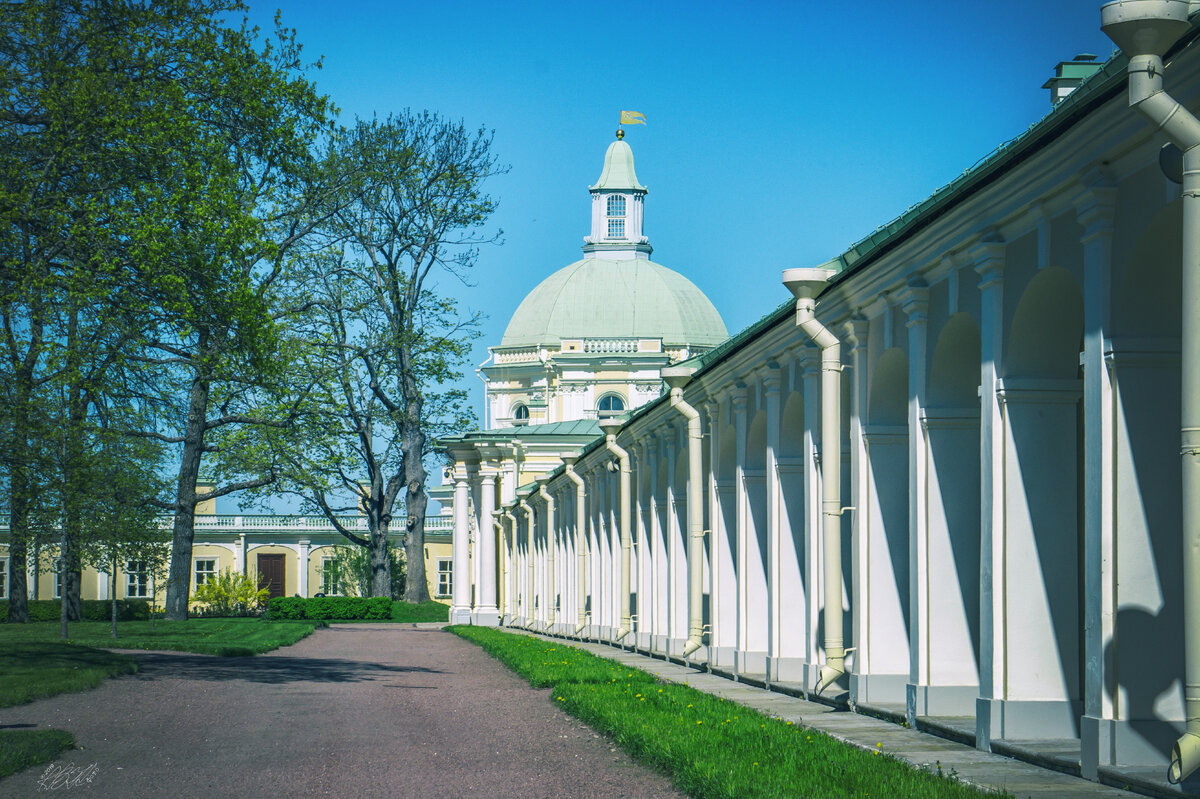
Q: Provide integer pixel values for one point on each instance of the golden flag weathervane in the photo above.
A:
(633, 118)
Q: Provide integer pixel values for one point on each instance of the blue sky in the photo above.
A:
(777, 135)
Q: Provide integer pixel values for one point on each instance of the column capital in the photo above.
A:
(740, 396)
(1096, 204)
(914, 301)
(770, 377)
(988, 258)
(856, 329)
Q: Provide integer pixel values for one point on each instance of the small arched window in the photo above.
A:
(616, 216)
(610, 405)
(520, 413)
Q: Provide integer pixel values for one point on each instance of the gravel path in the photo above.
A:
(351, 711)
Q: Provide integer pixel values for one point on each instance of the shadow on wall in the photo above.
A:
(1139, 630)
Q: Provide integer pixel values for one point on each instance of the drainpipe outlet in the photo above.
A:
(805, 285)
(611, 427)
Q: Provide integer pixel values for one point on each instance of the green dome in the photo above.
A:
(631, 298)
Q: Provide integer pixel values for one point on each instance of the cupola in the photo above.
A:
(617, 203)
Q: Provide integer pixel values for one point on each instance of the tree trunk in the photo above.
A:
(72, 463)
(381, 565)
(64, 557)
(179, 579)
(113, 591)
(416, 588)
(21, 497)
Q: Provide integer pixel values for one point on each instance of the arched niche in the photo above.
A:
(1047, 328)
(888, 403)
(954, 369)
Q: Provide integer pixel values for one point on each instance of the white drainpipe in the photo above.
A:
(805, 284)
(499, 525)
(677, 377)
(512, 586)
(610, 427)
(1145, 30)
(551, 608)
(580, 544)
(530, 589)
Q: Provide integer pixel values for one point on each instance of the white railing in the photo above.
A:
(252, 523)
(610, 345)
(517, 356)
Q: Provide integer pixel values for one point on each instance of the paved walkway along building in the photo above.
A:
(943, 478)
(366, 710)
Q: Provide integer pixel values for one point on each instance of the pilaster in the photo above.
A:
(989, 258)
(915, 303)
(1095, 209)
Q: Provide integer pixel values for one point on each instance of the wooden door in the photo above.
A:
(270, 574)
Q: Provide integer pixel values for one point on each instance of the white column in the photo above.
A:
(777, 615)
(860, 495)
(460, 611)
(740, 411)
(915, 303)
(302, 567)
(486, 610)
(1097, 730)
(989, 258)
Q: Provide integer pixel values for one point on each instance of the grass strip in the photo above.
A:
(420, 612)
(21, 749)
(38, 669)
(228, 637)
(710, 747)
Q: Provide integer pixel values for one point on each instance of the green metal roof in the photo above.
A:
(577, 429)
(598, 298)
(618, 171)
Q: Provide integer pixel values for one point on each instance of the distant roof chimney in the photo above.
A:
(1068, 75)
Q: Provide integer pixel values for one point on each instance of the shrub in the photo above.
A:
(93, 610)
(231, 594)
(331, 607)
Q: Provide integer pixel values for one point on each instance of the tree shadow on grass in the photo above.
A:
(274, 670)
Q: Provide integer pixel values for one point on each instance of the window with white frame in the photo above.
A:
(137, 579)
(330, 582)
(206, 569)
(3, 578)
(445, 577)
(616, 216)
(610, 405)
(520, 413)
(58, 578)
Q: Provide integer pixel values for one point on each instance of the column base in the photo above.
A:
(460, 615)
(722, 657)
(940, 700)
(1142, 743)
(751, 663)
(996, 719)
(486, 617)
(878, 689)
(786, 669)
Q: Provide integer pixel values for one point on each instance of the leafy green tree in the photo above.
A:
(150, 173)
(232, 594)
(386, 343)
(350, 568)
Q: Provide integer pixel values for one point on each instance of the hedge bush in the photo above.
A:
(330, 607)
(93, 610)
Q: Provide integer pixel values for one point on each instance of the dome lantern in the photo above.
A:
(617, 203)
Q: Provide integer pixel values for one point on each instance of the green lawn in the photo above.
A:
(20, 749)
(709, 747)
(234, 637)
(34, 669)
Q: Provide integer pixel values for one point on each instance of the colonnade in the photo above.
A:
(1010, 479)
